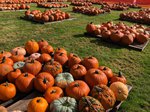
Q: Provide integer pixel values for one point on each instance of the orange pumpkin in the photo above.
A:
(5, 54)
(12, 76)
(61, 58)
(119, 78)
(53, 93)
(5, 60)
(73, 60)
(47, 49)
(44, 58)
(90, 28)
(17, 57)
(60, 50)
(42, 43)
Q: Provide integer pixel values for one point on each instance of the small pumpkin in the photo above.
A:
(78, 71)
(53, 67)
(53, 93)
(44, 58)
(31, 47)
(105, 95)
(47, 49)
(19, 50)
(142, 38)
(116, 36)
(106, 34)
(18, 65)
(120, 90)
(12, 76)
(32, 66)
(119, 78)
(90, 62)
(90, 28)
(90, 104)
(77, 89)
(7, 91)
(64, 104)
(17, 57)
(95, 77)
(42, 43)
(60, 50)
(108, 72)
(24, 82)
(62, 80)
(5, 60)
(3, 109)
(5, 54)
(35, 56)
(127, 39)
(61, 58)
(73, 60)
(43, 81)
(38, 104)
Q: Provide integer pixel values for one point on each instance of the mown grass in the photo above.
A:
(69, 34)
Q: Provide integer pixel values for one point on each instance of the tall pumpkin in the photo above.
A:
(31, 46)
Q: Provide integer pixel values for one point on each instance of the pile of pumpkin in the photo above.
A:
(52, 5)
(98, 2)
(116, 6)
(38, 1)
(15, 1)
(14, 6)
(56, 0)
(88, 10)
(76, 3)
(141, 16)
(47, 16)
(120, 33)
(67, 82)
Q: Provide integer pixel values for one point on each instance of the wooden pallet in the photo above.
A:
(135, 45)
(41, 22)
(20, 102)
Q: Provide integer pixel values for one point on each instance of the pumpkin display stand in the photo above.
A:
(42, 22)
(21, 101)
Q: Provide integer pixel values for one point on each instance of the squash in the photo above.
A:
(62, 80)
(18, 65)
(64, 104)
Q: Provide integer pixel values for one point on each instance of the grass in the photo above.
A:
(69, 34)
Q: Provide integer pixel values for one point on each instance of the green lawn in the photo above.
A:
(69, 34)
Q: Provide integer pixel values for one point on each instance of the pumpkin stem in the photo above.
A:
(16, 53)
(120, 74)
(38, 100)
(90, 57)
(2, 52)
(42, 40)
(96, 72)
(76, 85)
(58, 48)
(98, 89)
(104, 68)
(61, 54)
(91, 22)
(45, 80)
(6, 84)
(52, 61)
(75, 55)
(32, 61)
(26, 75)
(53, 91)
(3, 59)
(78, 66)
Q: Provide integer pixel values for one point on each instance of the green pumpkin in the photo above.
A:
(63, 79)
(64, 104)
(18, 65)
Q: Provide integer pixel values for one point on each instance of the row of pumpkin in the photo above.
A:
(14, 6)
(42, 69)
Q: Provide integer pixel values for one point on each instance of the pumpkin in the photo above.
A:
(119, 78)
(7, 91)
(64, 104)
(42, 43)
(78, 71)
(53, 93)
(77, 89)
(90, 104)
(43, 81)
(32, 66)
(24, 82)
(5, 54)
(38, 104)
(120, 90)
(18, 65)
(53, 67)
(31, 47)
(108, 72)
(90, 62)
(45, 18)
(17, 57)
(73, 60)
(44, 58)
(61, 58)
(105, 95)
(60, 50)
(62, 80)
(97, 32)
(12, 76)
(5, 60)
(35, 56)
(90, 28)
(142, 38)
(116, 36)
(95, 77)
(127, 39)
(3, 109)
(47, 49)
(106, 34)
(19, 50)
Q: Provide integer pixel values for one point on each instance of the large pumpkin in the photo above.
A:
(31, 47)
(53, 67)
(95, 77)
(74, 59)
(13, 75)
(77, 89)
(118, 77)
(61, 58)
(64, 104)
(53, 93)
(37, 104)
(120, 90)
(105, 95)
(24, 82)
(43, 81)
(90, 104)
(78, 71)
(7, 91)
(90, 62)
(62, 80)
(32, 66)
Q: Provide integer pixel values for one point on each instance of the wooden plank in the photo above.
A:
(135, 45)
(23, 103)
